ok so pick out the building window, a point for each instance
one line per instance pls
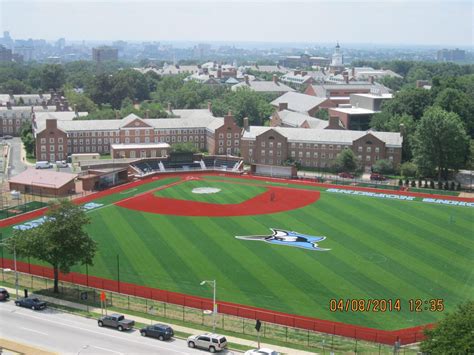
(390, 150)
(127, 132)
(221, 135)
(323, 155)
(51, 141)
(300, 154)
(60, 140)
(323, 146)
(43, 140)
(315, 154)
(236, 135)
(330, 147)
(377, 149)
(308, 155)
(229, 135)
(263, 144)
(367, 158)
(127, 140)
(262, 153)
(390, 157)
(43, 148)
(369, 149)
(331, 155)
(293, 154)
(279, 145)
(300, 145)
(250, 152)
(293, 145)
(359, 149)
(51, 148)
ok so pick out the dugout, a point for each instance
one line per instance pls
(286, 172)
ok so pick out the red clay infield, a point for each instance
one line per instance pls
(284, 199)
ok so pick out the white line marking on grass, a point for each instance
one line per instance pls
(152, 190)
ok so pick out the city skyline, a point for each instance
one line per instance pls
(391, 23)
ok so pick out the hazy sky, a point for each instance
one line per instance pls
(447, 23)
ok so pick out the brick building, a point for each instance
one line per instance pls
(317, 148)
(56, 139)
(339, 93)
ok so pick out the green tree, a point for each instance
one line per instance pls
(27, 138)
(408, 169)
(15, 86)
(52, 76)
(405, 124)
(383, 166)
(244, 103)
(184, 148)
(440, 142)
(82, 102)
(409, 101)
(454, 100)
(60, 241)
(346, 161)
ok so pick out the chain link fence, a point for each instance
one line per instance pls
(192, 316)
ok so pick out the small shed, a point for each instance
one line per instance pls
(44, 182)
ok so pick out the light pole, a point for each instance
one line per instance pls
(214, 305)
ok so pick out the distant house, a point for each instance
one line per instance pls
(286, 118)
(302, 103)
(297, 78)
(273, 86)
(339, 93)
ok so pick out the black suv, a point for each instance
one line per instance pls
(33, 303)
(4, 295)
(160, 331)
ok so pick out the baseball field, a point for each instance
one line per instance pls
(173, 232)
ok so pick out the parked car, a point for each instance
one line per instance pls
(30, 302)
(377, 177)
(261, 351)
(117, 321)
(346, 175)
(159, 331)
(4, 295)
(43, 165)
(7, 137)
(208, 341)
(61, 164)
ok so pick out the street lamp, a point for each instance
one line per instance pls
(214, 305)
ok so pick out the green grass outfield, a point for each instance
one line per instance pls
(380, 249)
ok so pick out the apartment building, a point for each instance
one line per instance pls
(317, 148)
(56, 139)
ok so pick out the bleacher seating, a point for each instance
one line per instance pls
(148, 166)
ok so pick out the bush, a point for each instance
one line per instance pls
(459, 186)
(400, 182)
(426, 184)
(413, 183)
(432, 184)
(446, 185)
(407, 182)
(440, 185)
(408, 169)
(383, 166)
(420, 183)
(453, 186)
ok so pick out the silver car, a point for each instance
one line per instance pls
(208, 341)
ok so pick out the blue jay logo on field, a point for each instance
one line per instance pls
(289, 238)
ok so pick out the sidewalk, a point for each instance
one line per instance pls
(179, 328)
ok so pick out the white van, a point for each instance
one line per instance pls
(43, 165)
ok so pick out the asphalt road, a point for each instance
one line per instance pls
(69, 334)
(16, 165)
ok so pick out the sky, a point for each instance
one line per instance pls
(390, 22)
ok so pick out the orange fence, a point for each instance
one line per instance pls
(403, 336)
